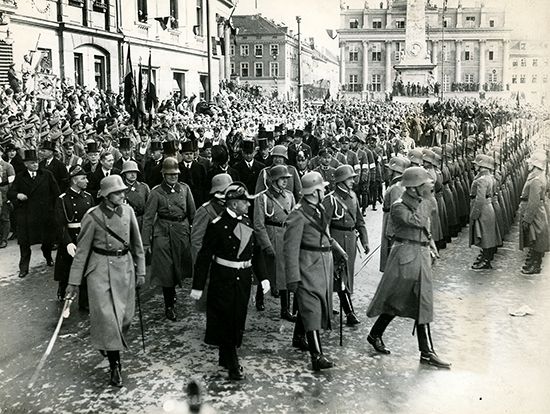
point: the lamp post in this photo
(300, 86)
(443, 48)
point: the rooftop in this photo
(257, 24)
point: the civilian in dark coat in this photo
(105, 169)
(33, 194)
(220, 165)
(56, 167)
(193, 174)
(248, 167)
(153, 166)
(296, 146)
(13, 157)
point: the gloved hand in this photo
(340, 252)
(433, 249)
(71, 292)
(22, 197)
(71, 249)
(196, 294)
(367, 248)
(269, 251)
(265, 286)
(140, 281)
(293, 286)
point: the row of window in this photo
(400, 23)
(258, 50)
(534, 79)
(468, 78)
(376, 56)
(258, 69)
(523, 62)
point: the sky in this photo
(528, 18)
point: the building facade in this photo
(265, 54)
(469, 46)
(529, 69)
(86, 41)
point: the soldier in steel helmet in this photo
(166, 233)
(137, 192)
(308, 258)
(406, 286)
(346, 225)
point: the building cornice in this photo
(155, 44)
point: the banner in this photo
(44, 86)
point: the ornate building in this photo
(529, 70)
(469, 46)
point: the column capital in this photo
(458, 40)
(342, 43)
(387, 41)
(365, 42)
(482, 41)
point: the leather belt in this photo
(171, 218)
(342, 228)
(421, 243)
(472, 197)
(386, 210)
(73, 225)
(274, 223)
(117, 253)
(315, 248)
(233, 264)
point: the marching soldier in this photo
(166, 232)
(533, 230)
(309, 266)
(70, 209)
(484, 231)
(226, 254)
(279, 156)
(324, 168)
(136, 192)
(344, 212)
(271, 209)
(406, 287)
(110, 257)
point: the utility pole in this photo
(209, 53)
(300, 86)
(443, 47)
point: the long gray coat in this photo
(311, 268)
(484, 231)
(533, 212)
(392, 194)
(110, 279)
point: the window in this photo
(258, 50)
(491, 55)
(446, 83)
(244, 69)
(259, 69)
(467, 55)
(523, 62)
(514, 78)
(353, 53)
(445, 23)
(76, 3)
(99, 6)
(491, 23)
(354, 83)
(78, 69)
(493, 77)
(469, 78)
(515, 63)
(99, 72)
(274, 69)
(198, 13)
(174, 14)
(446, 53)
(535, 62)
(470, 21)
(232, 49)
(400, 23)
(244, 50)
(377, 24)
(522, 46)
(398, 48)
(142, 11)
(233, 68)
(534, 79)
(353, 23)
(179, 82)
(377, 56)
(274, 50)
(522, 79)
(376, 82)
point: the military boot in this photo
(347, 307)
(284, 297)
(535, 266)
(425, 346)
(299, 335)
(115, 368)
(318, 360)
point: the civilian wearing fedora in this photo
(226, 255)
(92, 162)
(166, 231)
(248, 167)
(296, 146)
(56, 167)
(111, 267)
(33, 195)
(220, 164)
(69, 210)
(193, 174)
(153, 166)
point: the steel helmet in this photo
(538, 160)
(280, 151)
(111, 184)
(429, 156)
(170, 166)
(415, 155)
(220, 182)
(485, 161)
(312, 181)
(399, 164)
(278, 171)
(415, 177)
(343, 172)
(129, 166)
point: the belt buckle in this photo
(119, 252)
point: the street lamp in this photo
(300, 91)
(443, 47)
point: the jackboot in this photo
(284, 296)
(535, 266)
(260, 306)
(375, 335)
(347, 307)
(425, 346)
(299, 335)
(318, 360)
(236, 372)
(115, 368)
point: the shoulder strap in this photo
(315, 225)
(108, 230)
(267, 194)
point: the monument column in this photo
(482, 45)
(458, 61)
(342, 64)
(365, 65)
(388, 45)
(227, 57)
(435, 58)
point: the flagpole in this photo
(208, 94)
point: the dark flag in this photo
(163, 22)
(140, 102)
(129, 86)
(151, 93)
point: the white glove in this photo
(196, 294)
(265, 286)
(71, 249)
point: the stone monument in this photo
(416, 64)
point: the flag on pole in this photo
(151, 94)
(140, 102)
(129, 86)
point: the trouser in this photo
(169, 294)
(228, 357)
(114, 358)
(345, 301)
(25, 255)
(4, 222)
(422, 332)
(299, 329)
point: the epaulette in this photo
(298, 206)
(62, 195)
(92, 208)
(87, 193)
(216, 219)
(155, 187)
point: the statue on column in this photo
(343, 4)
